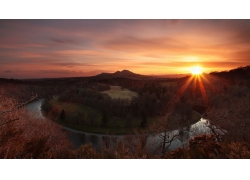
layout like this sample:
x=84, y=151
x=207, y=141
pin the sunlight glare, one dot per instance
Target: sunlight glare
x=196, y=70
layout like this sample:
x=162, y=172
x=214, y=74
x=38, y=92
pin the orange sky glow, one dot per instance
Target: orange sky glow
x=69, y=48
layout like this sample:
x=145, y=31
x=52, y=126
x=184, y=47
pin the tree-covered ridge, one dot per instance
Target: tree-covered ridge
x=240, y=72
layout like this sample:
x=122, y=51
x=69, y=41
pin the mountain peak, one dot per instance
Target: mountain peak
x=121, y=74
x=125, y=70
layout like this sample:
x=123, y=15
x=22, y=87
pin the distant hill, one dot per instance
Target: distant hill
x=122, y=74
x=171, y=75
x=240, y=72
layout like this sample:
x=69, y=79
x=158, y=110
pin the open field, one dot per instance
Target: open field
x=117, y=92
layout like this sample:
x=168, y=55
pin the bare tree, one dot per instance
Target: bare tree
x=167, y=137
x=230, y=118
x=25, y=136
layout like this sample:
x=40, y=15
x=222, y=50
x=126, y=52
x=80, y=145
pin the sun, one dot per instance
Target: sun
x=196, y=70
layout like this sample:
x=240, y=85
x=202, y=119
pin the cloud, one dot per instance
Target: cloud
x=134, y=44
x=63, y=41
x=174, y=21
x=8, y=71
x=80, y=46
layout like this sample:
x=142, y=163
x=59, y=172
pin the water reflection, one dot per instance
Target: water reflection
x=35, y=108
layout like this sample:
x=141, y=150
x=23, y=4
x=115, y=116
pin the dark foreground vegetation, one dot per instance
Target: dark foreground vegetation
x=223, y=98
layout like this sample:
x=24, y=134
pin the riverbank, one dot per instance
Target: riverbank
x=36, y=106
x=78, y=118
x=79, y=137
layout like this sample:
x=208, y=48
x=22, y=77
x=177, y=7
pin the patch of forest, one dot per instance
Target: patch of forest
x=98, y=111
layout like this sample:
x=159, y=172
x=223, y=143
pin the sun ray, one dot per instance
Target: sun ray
x=209, y=79
x=174, y=100
x=172, y=103
x=203, y=77
x=203, y=93
x=194, y=84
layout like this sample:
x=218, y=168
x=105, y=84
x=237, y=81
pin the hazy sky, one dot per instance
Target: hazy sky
x=66, y=48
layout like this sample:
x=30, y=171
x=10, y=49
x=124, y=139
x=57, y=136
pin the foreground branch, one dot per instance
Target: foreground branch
x=9, y=121
x=167, y=139
x=20, y=105
x=1, y=93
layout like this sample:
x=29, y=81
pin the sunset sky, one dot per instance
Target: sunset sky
x=68, y=48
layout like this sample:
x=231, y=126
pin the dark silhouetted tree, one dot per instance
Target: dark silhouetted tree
x=92, y=117
x=104, y=119
x=144, y=119
x=62, y=115
x=46, y=105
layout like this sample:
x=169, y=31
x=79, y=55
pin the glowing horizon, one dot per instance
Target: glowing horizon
x=196, y=70
x=70, y=48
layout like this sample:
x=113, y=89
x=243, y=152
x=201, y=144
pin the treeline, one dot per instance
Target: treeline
x=239, y=73
x=46, y=81
x=23, y=92
x=131, y=84
x=153, y=100
x=113, y=107
x=135, y=84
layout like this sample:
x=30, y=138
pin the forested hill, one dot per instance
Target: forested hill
x=121, y=74
x=240, y=72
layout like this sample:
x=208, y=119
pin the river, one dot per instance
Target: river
x=79, y=138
